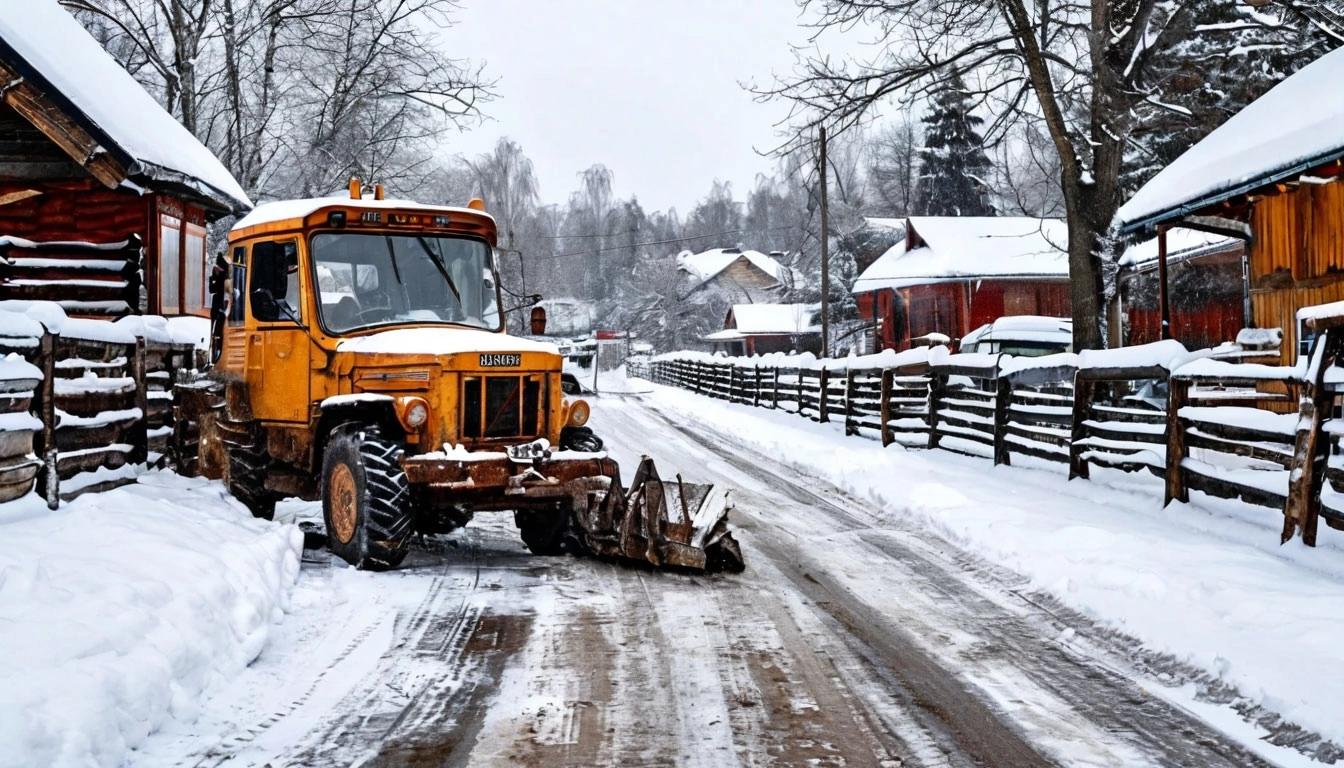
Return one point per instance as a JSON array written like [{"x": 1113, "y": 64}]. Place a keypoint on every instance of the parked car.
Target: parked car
[{"x": 1022, "y": 335}]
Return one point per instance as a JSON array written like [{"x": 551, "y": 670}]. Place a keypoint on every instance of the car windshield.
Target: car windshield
[{"x": 366, "y": 279}]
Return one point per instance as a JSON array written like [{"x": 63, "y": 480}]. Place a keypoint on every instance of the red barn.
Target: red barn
[
  {"x": 953, "y": 274},
  {"x": 104, "y": 196},
  {"x": 1206, "y": 272}
]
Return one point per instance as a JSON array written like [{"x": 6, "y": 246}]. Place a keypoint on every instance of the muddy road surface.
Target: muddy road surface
[{"x": 849, "y": 640}]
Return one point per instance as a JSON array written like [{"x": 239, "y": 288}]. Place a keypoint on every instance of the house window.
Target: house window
[
  {"x": 170, "y": 264},
  {"x": 195, "y": 301}
]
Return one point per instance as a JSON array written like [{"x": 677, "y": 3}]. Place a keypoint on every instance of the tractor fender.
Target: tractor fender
[{"x": 368, "y": 408}]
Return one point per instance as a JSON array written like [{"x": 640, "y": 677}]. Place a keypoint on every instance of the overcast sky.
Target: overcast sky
[{"x": 650, "y": 88}]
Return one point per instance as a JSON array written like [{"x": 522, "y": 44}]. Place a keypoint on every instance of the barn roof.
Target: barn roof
[
  {"x": 769, "y": 320},
  {"x": 705, "y": 266},
  {"x": 1298, "y": 125},
  {"x": 45, "y": 46},
  {"x": 942, "y": 248}
]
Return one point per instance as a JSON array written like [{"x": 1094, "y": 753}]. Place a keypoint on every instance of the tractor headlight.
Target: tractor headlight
[
  {"x": 414, "y": 412},
  {"x": 578, "y": 414}
]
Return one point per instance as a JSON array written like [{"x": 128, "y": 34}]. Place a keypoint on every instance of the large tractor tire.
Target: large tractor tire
[
  {"x": 247, "y": 474},
  {"x": 543, "y": 531},
  {"x": 366, "y": 500}
]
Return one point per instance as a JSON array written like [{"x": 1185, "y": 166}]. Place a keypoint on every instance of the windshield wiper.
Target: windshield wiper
[{"x": 443, "y": 269}]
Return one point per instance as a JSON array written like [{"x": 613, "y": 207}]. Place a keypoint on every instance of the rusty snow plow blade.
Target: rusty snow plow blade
[{"x": 671, "y": 524}]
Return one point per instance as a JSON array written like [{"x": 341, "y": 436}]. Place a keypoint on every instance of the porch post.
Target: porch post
[{"x": 1162, "y": 298}]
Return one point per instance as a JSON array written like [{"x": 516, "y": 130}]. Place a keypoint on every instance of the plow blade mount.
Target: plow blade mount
[{"x": 671, "y": 524}]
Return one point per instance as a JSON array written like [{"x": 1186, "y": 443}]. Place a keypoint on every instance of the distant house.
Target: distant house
[
  {"x": 1208, "y": 304},
  {"x": 758, "y": 329},
  {"x": 743, "y": 275},
  {"x": 950, "y": 275},
  {"x": 104, "y": 196},
  {"x": 1272, "y": 175}
]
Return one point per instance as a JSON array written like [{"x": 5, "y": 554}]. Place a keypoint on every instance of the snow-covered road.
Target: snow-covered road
[{"x": 854, "y": 637}]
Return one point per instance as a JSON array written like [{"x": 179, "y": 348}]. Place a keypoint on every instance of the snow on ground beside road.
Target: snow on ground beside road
[
  {"x": 122, "y": 610},
  {"x": 1207, "y": 583}
]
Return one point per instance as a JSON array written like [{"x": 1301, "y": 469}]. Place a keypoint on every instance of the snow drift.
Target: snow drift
[{"x": 120, "y": 610}]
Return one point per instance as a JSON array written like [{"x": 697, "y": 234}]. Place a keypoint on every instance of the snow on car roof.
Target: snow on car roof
[
  {"x": 958, "y": 247},
  {"x": 705, "y": 265},
  {"x": 283, "y": 210},
  {"x": 1292, "y": 128},
  {"x": 1023, "y": 328},
  {"x": 774, "y": 318},
  {"x": 51, "y": 42}
]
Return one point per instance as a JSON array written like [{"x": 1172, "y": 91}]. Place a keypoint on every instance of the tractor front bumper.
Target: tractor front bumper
[{"x": 488, "y": 478}]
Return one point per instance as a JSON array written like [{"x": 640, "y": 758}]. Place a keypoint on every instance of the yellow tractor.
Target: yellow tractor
[{"x": 362, "y": 359}]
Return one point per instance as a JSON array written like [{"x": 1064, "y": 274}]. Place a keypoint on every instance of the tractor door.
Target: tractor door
[{"x": 278, "y": 347}]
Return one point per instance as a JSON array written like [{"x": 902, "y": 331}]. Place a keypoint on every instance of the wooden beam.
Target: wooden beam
[
  {"x": 35, "y": 107},
  {"x": 21, "y": 195}
]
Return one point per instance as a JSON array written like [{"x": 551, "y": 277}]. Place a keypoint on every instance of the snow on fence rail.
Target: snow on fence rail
[
  {"x": 1194, "y": 419},
  {"x": 82, "y": 402}
]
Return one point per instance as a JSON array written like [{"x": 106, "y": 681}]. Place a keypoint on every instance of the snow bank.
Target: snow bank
[
  {"x": 121, "y": 609},
  {"x": 1207, "y": 583},
  {"x": 887, "y": 358},
  {"x": 1167, "y": 353}
]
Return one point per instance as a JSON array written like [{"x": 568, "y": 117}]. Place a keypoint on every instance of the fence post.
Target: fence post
[
  {"x": 774, "y": 388},
  {"x": 800, "y": 389},
  {"x": 756, "y": 386},
  {"x": 937, "y": 383},
  {"x": 140, "y": 431},
  {"x": 884, "y": 405},
  {"x": 1178, "y": 395},
  {"x": 850, "y": 429},
  {"x": 1302, "y": 507},
  {"x": 824, "y": 392},
  {"x": 1083, "y": 389},
  {"x": 1003, "y": 396},
  {"x": 49, "y": 479}
]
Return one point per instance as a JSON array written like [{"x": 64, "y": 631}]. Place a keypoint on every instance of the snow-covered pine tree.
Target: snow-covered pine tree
[{"x": 954, "y": 170}]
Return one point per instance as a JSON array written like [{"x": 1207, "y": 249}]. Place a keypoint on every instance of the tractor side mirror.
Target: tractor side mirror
[{"x": 538, "y": 321}]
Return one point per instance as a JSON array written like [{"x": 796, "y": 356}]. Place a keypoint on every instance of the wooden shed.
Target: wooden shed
[
  {"x": 758, "y": 329},
  {"x": 951, "y": 275},
  {"x": 743, "y": 275},
  {"x": 104, "y": 196},
  {"x": 1206, "y": 276},
  {"x": 1270, "y": 175}
]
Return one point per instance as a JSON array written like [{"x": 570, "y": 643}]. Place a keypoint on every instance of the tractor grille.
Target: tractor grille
[{"x": 501, "y": 407}]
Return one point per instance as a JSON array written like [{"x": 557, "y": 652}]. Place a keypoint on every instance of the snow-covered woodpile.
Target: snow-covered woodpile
[
  {"x": 94, "y": 279},
  {"x": 86, "y": 403},
  {"x": 1201, "y": 420}
]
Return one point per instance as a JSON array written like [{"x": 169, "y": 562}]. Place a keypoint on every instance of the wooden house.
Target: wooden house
[
  {"x": 1208, "y": 297},
  {"x": 758, "y": 329},
  {"x": 1271, "y": 176},
  {"x": 744, "y": 276},
  {"x": 951, "y": 275},
  {"x": 104, "y": 196}
]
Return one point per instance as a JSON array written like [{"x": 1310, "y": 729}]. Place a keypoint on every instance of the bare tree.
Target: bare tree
[
  {"x": 893, "y": 166},
  {"x": 1084, "y": 71}
]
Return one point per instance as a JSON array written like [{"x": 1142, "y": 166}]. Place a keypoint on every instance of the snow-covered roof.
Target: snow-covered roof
[
  {"x": 765, "y": 319},
  {"x": 283, "y": 210},
  {"x": 1182, "y": 244},
  {"x": 1294, "y": 127},
  {"x": 961, "y": 247},
  {"x": 706, "y": 265},
  {"x": 47, "y": 44}
]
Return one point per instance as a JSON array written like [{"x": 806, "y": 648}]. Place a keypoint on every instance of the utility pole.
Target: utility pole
[{"x": 825, "y": 258}]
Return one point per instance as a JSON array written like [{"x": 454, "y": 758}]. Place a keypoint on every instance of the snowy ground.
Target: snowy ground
[
  {"x": 860, "y": 634},
  {"x": 898, "y": 608},
  {"x": 122, "y": 611}
]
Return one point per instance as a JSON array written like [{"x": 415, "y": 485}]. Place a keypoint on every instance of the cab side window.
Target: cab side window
[
  {"x": 234, "y": 287},
  {"x": 274, "y": 290}
]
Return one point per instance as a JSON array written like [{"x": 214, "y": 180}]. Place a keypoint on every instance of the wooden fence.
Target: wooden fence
[
  {"x": 1210, "y": 426},
  {"x": 82, "y": 409}
]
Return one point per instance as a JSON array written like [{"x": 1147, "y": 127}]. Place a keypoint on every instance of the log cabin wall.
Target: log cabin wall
[{"x": 1297, "y": 256}]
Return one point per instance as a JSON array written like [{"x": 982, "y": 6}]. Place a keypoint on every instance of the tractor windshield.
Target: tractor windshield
[{"x": 366, "y": 279}]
